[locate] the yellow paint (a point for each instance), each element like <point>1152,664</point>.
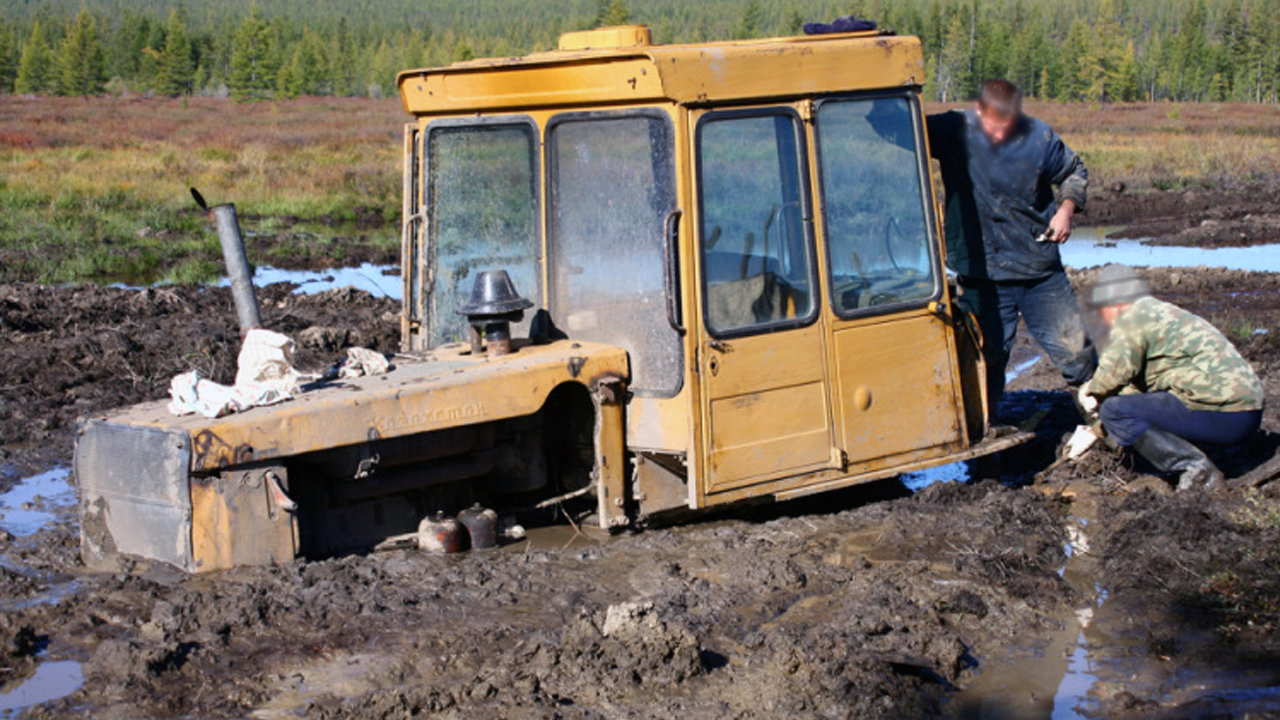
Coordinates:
<point>792,411</point>
<point>448,389</point>
<point>713,72</point>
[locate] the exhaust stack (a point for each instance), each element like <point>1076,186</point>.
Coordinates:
<point>238,269</point>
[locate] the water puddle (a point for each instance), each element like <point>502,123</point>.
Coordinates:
<point>51,681</point>
<point>372,278</point>
<point>1089,247</point>
<point>34,502</point>
<point>916,481</point>
<point>1052,681</point>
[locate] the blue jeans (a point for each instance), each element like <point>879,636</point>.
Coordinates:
<point>1049,308</point>
<point>1127,417</point>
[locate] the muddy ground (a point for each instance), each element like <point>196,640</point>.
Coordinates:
<point>869,603</point>
<point>1218,217</point>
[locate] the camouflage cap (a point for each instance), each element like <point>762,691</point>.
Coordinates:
<point>1117,285</point>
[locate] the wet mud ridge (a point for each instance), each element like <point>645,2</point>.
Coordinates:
<point>964,600</point>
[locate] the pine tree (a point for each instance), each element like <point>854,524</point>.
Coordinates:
<point>1189,55</point>
<point>175,72</point>
<point>301,75</point>
<point>751,21</point>
<point>953,71</point>
<point>8,59</point>
<point>612,12</point>
<point>81,61</point>
<point>253,66</point>
<point>340,75</point>
<point>35,65</point>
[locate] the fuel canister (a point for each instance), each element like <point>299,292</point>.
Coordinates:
<point>442,534</point>
<point>481,524</point>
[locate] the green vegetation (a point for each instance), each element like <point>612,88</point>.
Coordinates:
<point>97,189</point>
<point>1096,51</point>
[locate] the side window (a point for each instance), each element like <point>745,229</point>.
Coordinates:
<point>611,185</point>
<point>482,214</point>
<point>873,199</point>
<point>757,267</point>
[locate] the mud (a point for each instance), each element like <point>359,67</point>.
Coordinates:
<point>1218,217</point>
<point>69,351</point>
<point>857,604</point>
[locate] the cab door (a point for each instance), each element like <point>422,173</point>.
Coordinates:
<point>895,378</point>
<point>762,350</point>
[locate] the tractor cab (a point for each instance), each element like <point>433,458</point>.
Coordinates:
<point>639,279</point>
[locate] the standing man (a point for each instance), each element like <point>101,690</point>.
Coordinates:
<point>1003,228</point>
<point>1167,380</point>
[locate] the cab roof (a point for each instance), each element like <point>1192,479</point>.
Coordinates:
<point>619,65</point>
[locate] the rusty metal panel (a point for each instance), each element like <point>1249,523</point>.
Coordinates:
<point>448,389</point>
<point>133,493</point>
<point>238,521</point>
<point>610,453</point>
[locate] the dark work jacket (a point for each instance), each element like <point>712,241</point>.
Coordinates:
<point>999,197</point>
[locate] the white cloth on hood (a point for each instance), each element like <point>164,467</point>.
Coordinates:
<point>189,393</point>
<point>265,375</point>
<point>267,358</point>
<point>362,361</point>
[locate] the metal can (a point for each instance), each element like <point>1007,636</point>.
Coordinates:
<point>481,524</point>
<point>440,534</point>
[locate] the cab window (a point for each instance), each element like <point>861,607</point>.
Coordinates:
<point>874,205</point>
<point>757,268</point>
<point>482,214</point>
<point>610,186</point>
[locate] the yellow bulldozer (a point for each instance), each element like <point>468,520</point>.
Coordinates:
<point>647,278</point>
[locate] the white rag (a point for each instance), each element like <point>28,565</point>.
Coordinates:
<point>267,358</point>
<point>362,361</point>
<point>189,393</point>
<point>264,376</point>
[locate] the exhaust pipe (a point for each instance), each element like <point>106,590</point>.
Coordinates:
<point>238,269</point>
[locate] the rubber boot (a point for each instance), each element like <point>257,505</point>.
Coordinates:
<point>1170,453</point>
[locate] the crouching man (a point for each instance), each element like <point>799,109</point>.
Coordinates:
<point>1168,381</point>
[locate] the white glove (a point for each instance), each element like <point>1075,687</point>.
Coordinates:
<point>1081,440</point>
<point>1088,403</point>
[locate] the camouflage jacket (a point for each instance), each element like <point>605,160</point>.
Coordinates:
<point>999,196</point>
<point>1159,347</point>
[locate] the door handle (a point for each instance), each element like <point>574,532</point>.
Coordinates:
<point>720,346</point>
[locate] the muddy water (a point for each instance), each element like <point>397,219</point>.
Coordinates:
<point>51,681</point>
<point>34,502</point>
<point>379,280</point>
<point>1089,247</point>
<point>1051,676</point>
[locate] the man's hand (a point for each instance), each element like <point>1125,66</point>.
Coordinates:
<point>1060,225</point>
<point>1088,403</point>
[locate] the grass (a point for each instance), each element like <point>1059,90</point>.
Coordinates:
<point>96,189</point>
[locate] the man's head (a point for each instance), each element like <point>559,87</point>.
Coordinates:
<point>999,107</point>
<point>1117,287</point>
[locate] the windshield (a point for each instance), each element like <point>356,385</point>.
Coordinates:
<point>874,205</point>
<point>755,256</point>
<point>611,185</point>
<point>482,214</point>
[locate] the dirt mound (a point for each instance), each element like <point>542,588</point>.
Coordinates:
<point>1215,559</point>
<point>1218,217</point>
<point>70,352</point>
